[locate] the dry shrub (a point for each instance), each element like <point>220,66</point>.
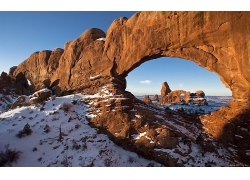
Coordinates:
<point>66,106</point>
<point>26,131</point>
<point>8,156</point>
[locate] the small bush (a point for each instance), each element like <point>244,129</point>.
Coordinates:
<point>39,159</point>
<point>130,159</point>
<point>107,162</point>
<point>8,156</point>
<point>65,161</point>
<point>19,134</point>
<point>74,102</point>
<point>150,165</point>
<point>66,106</point>
<point>77,126</point>
<point>26,131</point>
<point>75,145</point>
<point>46,128</point>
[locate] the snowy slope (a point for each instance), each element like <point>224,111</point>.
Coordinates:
<point>81,145</point>
<point>6,101</point>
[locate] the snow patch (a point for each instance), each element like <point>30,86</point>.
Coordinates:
<point>138,116</point>
<point>101,39</point>
<point>94,77</point>
<point>136,136</point>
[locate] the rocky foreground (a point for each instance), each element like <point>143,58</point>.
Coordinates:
<point>89,130</point>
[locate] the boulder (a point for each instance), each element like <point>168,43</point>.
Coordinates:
<point>46,83</point>
<point>200,101</point>
<point>155,98</point>
<point>200,94</point>
<point>21,101</point>
<point>147,100</point>
<point>56,91</point>
<point>43,94</point>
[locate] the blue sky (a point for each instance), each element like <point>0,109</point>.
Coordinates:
<point>23,33</point>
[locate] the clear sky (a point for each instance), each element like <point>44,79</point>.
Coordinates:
<point>23,33</point>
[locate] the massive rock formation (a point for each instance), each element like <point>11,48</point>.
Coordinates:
<point>190,98</point>
<point>174,97</point>
<point>165,89</point>
<point>217,41</point>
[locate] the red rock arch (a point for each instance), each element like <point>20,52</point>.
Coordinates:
<point>217,41</point>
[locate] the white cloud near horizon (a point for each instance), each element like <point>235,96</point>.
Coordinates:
<point>146,82</point>
<point>181,85</point>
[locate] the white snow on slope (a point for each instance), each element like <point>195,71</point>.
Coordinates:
<point>81,145</point>
<point>6,101</point>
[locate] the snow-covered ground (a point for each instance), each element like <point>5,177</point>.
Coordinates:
<point>78,145</point>
<point>62,136</point>
<point>6,101</point>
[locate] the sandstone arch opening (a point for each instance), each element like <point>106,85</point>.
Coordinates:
<point>182,75</point>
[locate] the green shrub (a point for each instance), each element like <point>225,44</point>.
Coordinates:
<point>26,131</point>
<point>46,128</point>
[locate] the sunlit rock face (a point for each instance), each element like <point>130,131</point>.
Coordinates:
<point>217,41</point>
<point>165,89</point>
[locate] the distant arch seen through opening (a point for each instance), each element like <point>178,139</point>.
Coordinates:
<point>180,74</point>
